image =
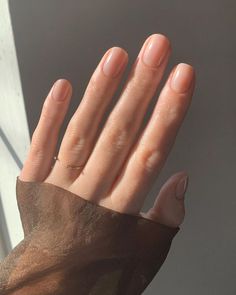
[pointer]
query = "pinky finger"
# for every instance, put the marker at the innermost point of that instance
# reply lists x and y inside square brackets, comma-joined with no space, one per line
[44,139]
[168,208]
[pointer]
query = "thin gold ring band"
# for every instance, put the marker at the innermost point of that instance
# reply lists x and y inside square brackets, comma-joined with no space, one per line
[68,166]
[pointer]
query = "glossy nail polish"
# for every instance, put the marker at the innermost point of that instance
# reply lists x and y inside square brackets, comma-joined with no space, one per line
[182,78]
[114,62]
[60,90]
[155,50]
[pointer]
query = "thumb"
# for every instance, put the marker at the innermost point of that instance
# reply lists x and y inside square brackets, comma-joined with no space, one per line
[168,207]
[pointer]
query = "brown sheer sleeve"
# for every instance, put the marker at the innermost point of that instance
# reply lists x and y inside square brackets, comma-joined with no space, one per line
[74,246]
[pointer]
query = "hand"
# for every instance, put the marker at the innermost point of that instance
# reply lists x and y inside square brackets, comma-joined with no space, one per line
[117,168]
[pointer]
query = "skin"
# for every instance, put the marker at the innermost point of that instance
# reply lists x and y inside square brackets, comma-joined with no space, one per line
[118,168]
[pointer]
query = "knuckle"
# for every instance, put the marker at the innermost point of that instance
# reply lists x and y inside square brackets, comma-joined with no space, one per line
[169,116]
[117,137]
[74,140]
[77,144]
[173,114]
[148,160]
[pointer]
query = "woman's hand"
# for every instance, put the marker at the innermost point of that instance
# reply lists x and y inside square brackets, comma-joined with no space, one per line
[118,168]
[72,245]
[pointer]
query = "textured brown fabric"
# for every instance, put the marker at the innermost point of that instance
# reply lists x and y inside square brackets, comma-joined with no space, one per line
[74,246]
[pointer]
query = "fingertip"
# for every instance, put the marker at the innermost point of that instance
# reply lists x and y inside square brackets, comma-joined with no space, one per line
[60,86]
[66,83]
[173,180]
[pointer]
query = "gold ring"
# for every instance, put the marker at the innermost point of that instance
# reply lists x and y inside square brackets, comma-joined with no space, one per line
[67,166]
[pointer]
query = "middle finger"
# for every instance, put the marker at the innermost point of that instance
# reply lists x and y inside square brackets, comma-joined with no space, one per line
[124,122]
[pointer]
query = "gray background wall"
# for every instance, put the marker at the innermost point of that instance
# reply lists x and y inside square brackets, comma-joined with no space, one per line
[67,39]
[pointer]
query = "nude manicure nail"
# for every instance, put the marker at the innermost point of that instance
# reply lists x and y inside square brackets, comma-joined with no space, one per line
[60,90]
[181,188]
[156,50]
[182,78]
[114,62]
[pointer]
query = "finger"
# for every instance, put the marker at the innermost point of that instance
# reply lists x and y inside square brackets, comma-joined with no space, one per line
[124,122]
[82,129]
[168,208]
[151,150]
[44,139]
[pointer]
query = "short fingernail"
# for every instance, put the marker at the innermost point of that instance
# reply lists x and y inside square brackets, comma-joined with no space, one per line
[155,50]
[181,188]
[60,90]
[114,62]
[182,78]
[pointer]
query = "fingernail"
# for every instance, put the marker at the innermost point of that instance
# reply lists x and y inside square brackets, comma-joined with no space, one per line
[182,78]
[114,62]
[60,90]
[155,50]
[181,188]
